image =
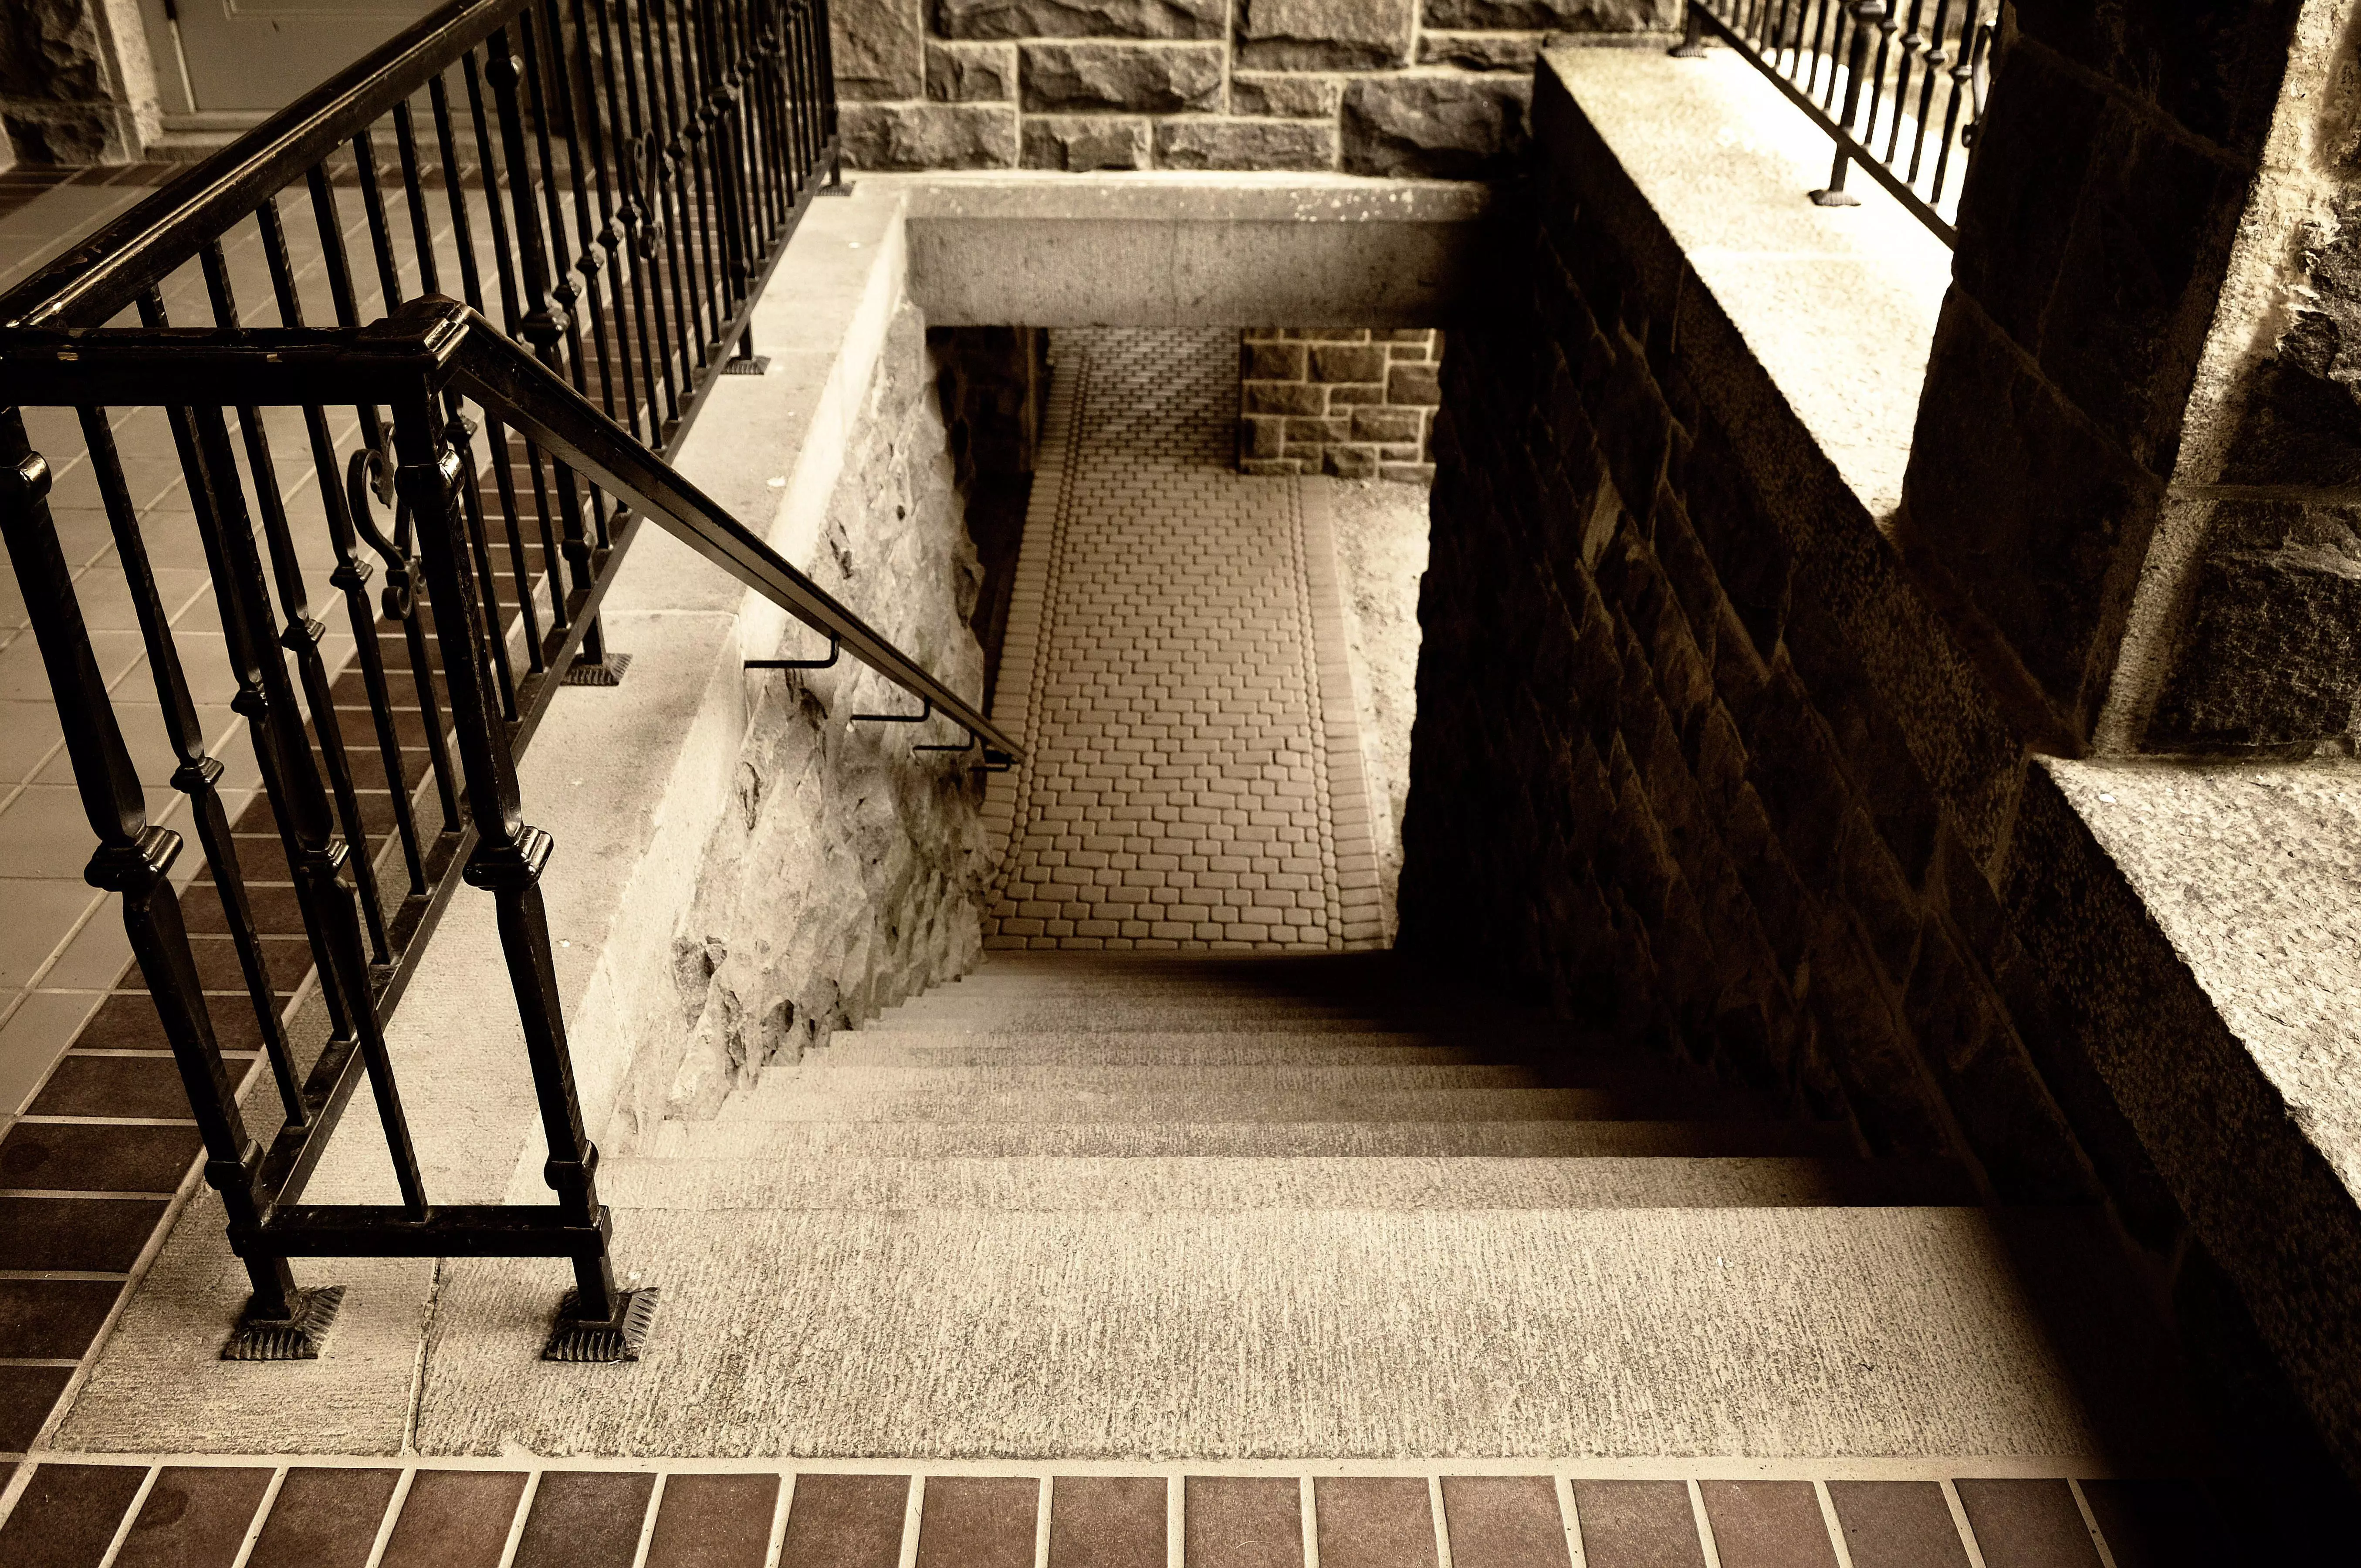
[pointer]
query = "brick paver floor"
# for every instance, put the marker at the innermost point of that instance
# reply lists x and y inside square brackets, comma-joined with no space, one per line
[1174,666]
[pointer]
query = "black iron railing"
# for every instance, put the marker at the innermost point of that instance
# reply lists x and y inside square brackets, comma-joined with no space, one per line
[610,181]
[1897,84]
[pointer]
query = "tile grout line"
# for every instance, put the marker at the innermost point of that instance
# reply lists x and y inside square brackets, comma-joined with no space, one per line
[261,1515]
[1835,1526]
[778,1538]
[2091,1523]
[648,1519]
[1176,1523]
[525,1502]
[393,1506]
[1706,1542]
[1960,1522]
[131,1512]
[1311,1522]
[1440,1516]
[914,1513]
[1041,1520]
[1572,1517]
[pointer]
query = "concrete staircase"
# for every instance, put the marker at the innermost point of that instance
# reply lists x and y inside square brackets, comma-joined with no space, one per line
[1129,1207]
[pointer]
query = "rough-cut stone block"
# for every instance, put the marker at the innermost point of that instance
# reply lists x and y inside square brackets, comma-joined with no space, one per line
[1353,462]
[1269,361]
[1348,362]
[1540,16]
[1343,394]
[1244,144]
[1079,143]
[928,135]
[1378,423]
[1416,384]
[1286,97]
[1450,128]
[879,48]
[1286,398]
[1149,79]
[1480,51]
[1263,437]
[1318,430]
[1324,34]
[1080,18]
[971,73]
[2270,660]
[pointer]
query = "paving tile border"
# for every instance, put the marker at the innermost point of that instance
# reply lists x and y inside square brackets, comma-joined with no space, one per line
[97,1511]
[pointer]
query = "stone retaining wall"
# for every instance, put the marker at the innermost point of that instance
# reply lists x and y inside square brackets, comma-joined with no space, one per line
[1699,760]
[1357,404]
[1434,88]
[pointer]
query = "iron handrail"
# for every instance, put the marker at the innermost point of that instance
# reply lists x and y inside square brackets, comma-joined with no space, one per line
[1841,62]
[442,345]
[613,181]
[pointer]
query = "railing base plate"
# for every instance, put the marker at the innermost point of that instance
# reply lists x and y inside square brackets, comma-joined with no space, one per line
[296,1338]
[607,673]
[616,1339]
[1835,199]
[752,364]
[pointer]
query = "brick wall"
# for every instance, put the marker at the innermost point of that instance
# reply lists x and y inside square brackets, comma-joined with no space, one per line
[1700,761]
[1357,404]
[1435,88]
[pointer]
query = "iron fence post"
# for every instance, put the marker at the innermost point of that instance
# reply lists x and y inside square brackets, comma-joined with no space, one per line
[598,1321]
[1866,15]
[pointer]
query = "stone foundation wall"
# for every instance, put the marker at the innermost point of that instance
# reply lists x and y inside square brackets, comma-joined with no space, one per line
[1357,404]
[848,875]
[1698,760]
[1432,88]
[76,84]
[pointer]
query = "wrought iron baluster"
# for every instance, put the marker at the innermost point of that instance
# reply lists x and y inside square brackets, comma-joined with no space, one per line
[133,860]
[381,232]
[619,232]
[198,775]
[1866,14]
[546,326]
[413,186]
[507,862]
[696,189]
[590,259]
[338,262]
[315,854]
[496,437]
[652,240]
[1963,70]
[1936,60]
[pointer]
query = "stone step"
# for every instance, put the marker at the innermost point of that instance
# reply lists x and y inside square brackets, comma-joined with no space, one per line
[1178,1097]
[1186,1184]
[1148,1049]
[750,1140]
[822,1073]
[1330,1334]
[1033,1016]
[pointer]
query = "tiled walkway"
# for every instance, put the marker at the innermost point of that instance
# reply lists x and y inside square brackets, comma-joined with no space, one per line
[212,1514]
[1175,667]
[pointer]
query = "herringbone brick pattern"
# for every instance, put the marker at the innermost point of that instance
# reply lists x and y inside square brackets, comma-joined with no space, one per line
[1174,666]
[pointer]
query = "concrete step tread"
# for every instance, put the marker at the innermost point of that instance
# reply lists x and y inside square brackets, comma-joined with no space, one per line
[1176,1183]
[1508,1139]
[1179,1097]
[1334,1333]
[1205,1049]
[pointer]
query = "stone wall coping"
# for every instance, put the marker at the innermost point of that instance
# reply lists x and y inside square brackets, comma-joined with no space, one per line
[1837,303]
[2253,872]
[1183,196]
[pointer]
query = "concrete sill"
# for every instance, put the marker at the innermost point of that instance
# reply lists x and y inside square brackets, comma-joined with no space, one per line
[1837,304]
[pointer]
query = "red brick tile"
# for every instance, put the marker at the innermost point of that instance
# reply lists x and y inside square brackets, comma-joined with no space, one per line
[325,1519]
[714,1521]
[27,1394]
[1898,1524]
[1374,1521]
[1637,1524]
[2159,1524]
[100,1235]
[67,1514]
[2028,1524]
[53,1317]
[1504,1521]
[77,1156]
[586,1518]
[1106,1521]
[112,1086]
[846,1521]
[454,1519]
[195,1516]
[977,1521]
[1243,1521]
[1767,1524]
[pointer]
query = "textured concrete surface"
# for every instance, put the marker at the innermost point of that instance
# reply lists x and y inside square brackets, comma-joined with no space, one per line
[1380,530]
[1175,667]
[1762,1331]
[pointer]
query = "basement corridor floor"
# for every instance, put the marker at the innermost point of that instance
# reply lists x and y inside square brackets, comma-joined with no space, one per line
[1176,669]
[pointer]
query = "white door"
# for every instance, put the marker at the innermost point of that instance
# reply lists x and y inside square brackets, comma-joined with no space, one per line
[237,57]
